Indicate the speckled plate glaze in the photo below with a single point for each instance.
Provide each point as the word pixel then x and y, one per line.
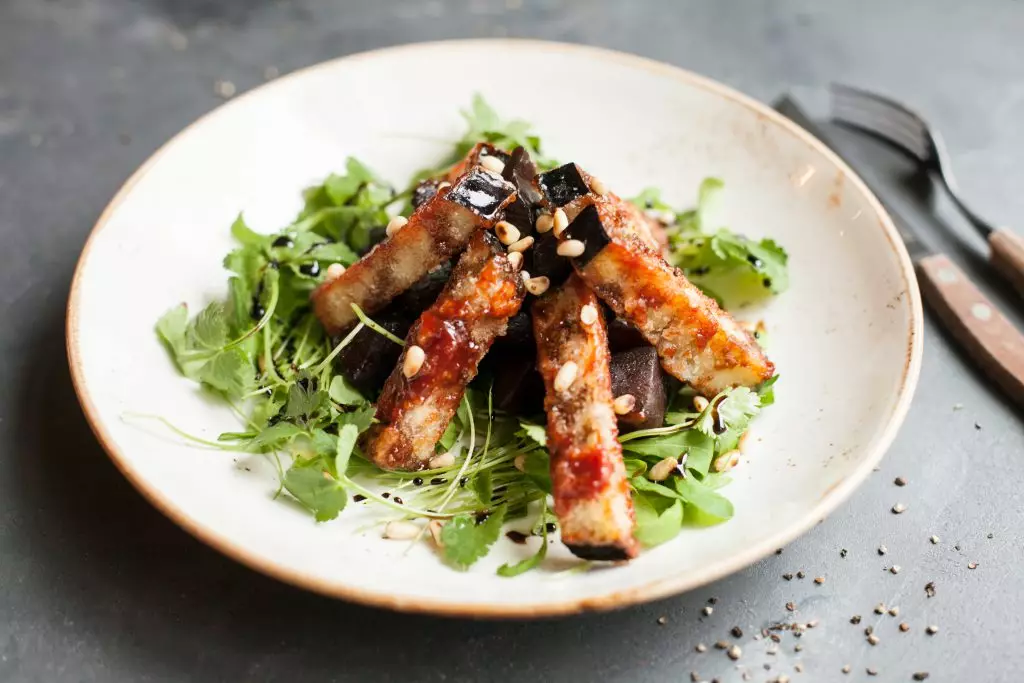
pixel 846 337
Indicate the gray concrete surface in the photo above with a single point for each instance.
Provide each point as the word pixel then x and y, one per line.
pixel 96 586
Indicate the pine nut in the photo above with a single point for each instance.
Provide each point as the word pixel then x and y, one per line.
pixel 401 531
pixel 560 222
pixel 663 469
pixel 544 223
pixel 588 314
pixel 505 231
pixel 442 186
pixel 525 275
pixel 726 461
pixel 538 285
pixel 414 357
pixel 571 248
pixel 439 462
pixel 597 187
pixel 700 403
pixel 521 245
pixel 742 443
pixel 516 259
pixel 566 376
pixel 520 462
pixel 493 164
pixel 624 405
pixel 334 271
pixel 395 224
pixel 434 526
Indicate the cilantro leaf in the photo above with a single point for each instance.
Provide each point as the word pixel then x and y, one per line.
pixel 322 495
pixel 538 468
pixel 535 432
pixel 304 399
pixel 466 540
pixel 275 436
pixel 483 486
pixel 171 329
pixel 210 328
pixel 229 371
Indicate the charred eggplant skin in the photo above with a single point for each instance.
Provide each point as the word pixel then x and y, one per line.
pixel 435 232
pixel 638 373
pixel 563 184
pixel 588 477
pixel 588 228
pixel 454 334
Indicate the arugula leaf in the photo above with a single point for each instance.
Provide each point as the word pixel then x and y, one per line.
pixel 466 541
pixel 322 495
pixel 346 442
pixel 523 566
pixel 650 198
pixel 703 498
pixel 485 124
pixel 655 525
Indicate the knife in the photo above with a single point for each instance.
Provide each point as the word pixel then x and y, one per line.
pixel 988 337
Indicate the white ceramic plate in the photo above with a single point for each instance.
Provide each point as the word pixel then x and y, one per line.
pixel 846 337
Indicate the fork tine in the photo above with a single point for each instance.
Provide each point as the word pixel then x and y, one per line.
pixel 883 116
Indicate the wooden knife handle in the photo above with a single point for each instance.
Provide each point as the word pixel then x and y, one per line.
pixel 994 343
pixel 1008 256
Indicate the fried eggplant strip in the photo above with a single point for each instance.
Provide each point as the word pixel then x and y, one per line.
pixel 423 392
pixel 697 341
pixel 591 491
pixel 436 232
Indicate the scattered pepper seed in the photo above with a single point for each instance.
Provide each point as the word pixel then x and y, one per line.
pixel 819 580
pixel 842 553
pixel 701 647
pixel 904 627
pixel 880 608
pixel 778 551
pixel 972 565
pixel 873 639
pixel 894 611
pixel 712 601
pixel 776 638
pixel 813 623
pixel 920 675
pixel 722 645
pixel 736 632
pixel 772 650
pixel 929 589
pixel 932 629
pixel 734 652
pixel 694 676
pixel 800 575
pixel 869 630
pixel 934 540
pixel 957 547
pixel 846 668
pixel 787 576
pixel 895 569
pixel 872 671
pixel 977 426
pixel 990 535
pixel 662 621
pixel 898 508
pixel 798 667
pixel 708 609
pixel 882 550
pixel 791 606
pixel 798 647
pixel 855 619
pixel 900 481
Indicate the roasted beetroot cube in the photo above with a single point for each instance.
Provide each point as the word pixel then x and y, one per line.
pixel 638 372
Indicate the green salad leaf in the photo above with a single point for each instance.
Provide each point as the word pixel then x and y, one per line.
pixel 466 538
pixel 320 494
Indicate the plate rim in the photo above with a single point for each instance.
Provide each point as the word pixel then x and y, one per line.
pixel 657 588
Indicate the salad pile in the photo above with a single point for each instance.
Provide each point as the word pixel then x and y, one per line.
pixel 263 351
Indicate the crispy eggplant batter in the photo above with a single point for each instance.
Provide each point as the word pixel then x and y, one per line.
pixel 697 341
pixel 436 232
pixel 484 291
pixel 591 492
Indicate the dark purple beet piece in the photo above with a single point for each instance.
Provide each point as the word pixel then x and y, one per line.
pixel 518 387
pixel 519 335
pixel 639 373
pixel 481 192
pixel 421 295
pixel 370 357
pixel 424 191
pixel 622 336
pixel 587 228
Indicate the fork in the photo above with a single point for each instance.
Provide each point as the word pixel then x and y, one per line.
pixel 895 123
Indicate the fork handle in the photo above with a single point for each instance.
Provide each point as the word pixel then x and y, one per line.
pixel 1008 256
pixel 991 340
